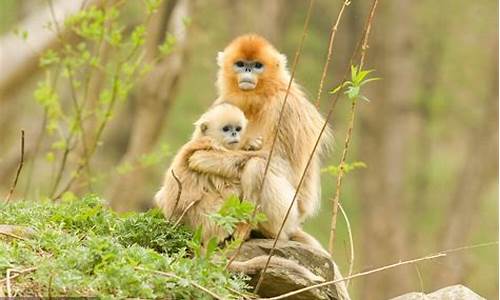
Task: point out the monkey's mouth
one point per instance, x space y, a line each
246 85
233 142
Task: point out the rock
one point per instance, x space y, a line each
454 292
17 231
280 279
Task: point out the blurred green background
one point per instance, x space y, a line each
429 135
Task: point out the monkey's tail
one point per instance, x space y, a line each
256 264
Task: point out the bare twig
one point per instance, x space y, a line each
351 244
9 278
19 168
12 235
420 279
347 143
185 211
179 192
280 118
383 268
311 156
200 287
330 50
391 266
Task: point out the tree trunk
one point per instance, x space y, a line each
152 101
384 136
479 171
17 59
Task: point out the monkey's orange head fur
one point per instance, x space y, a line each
250 65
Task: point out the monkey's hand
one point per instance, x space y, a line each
254 144
242 231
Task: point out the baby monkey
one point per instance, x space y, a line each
217 137
197 183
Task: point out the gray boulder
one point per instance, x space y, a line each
454 292
280 279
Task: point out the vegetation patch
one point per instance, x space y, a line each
78 247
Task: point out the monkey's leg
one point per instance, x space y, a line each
221 163
275 198
309 198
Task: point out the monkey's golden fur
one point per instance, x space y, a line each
204 193
299 129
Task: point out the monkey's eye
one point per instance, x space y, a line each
225 128
258 65
240 64
238 128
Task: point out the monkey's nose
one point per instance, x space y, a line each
233 133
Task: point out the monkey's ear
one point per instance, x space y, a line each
282 60
220 58
203 127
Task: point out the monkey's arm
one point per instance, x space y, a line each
227 163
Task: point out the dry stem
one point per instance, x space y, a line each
268 162
15 236
204 289
347 143
19 168
330 50
8 278
383 268
185 211
179 192
351 244
330 112
401 263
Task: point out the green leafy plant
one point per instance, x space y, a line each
81 248
76 109
334 170
353 86
235 211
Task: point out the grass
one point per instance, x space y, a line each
81 248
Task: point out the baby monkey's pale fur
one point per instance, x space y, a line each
203 192
211 168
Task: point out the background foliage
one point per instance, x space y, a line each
428 137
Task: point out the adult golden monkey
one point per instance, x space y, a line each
253 76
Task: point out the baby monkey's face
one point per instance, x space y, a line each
230 135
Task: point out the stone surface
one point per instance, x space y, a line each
454 292
279 280
16 230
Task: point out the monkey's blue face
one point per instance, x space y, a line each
231 134
248 72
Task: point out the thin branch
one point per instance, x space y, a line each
280 118
351 244
19 168
12 235
401 263
347 143
330 50
185 211
420 279
18 273
8 278
200 287
179 192
383 268
325 124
